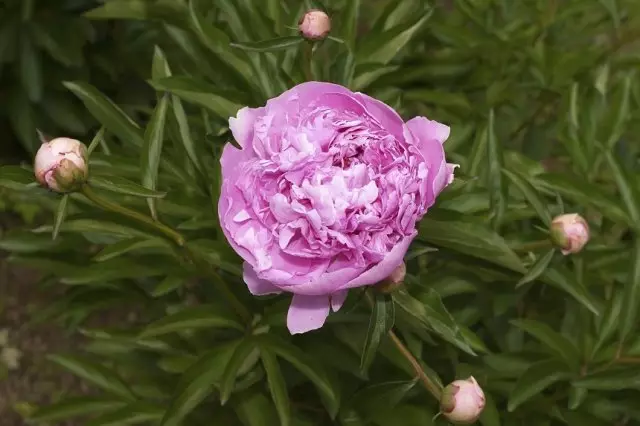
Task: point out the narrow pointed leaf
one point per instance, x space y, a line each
561 278
133 414
127 246
95 373
496 188
349 26
626 186
192 150
553 340
272 45
204 316
97 140
197 383
537 268
277 387
382 48
61 214
107 113
537 378
231 371
124 186
381 321
74 407
326 388
152 150
612 379
631 304
530 194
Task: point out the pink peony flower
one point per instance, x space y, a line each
325 193
570 232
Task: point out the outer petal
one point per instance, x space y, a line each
384 114
424 129
307 313
257 286
383 269
242 125
337 300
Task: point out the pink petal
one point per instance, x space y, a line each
337 300
242 125
307 313
383 269
257 286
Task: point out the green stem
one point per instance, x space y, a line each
172 235
308 54
428 384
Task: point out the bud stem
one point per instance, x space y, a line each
172 235
308 55
433 388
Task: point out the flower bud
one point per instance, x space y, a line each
315 25
462 401
570 232
395 280
61 164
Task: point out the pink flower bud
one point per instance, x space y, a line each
61 164
570 232
462 401
315 25
395 280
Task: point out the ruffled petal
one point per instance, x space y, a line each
257 286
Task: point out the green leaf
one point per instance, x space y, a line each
277 387
582 193
619 114
30 69
152 150
490 415
382 48
127 246
349 17
61 214
375 400
530 194
159 67
612 379
75 407
204 316
169 284
110 270
537 378
193 151
537 268
629 318
124 186
626 186
97 140
132 414
494 175
94 226
381 321
197 383
202 94
232 370
273 45
97 374
255 409
562 279
15 177
471 239
328 391
107 113
611 320
433 315
555 341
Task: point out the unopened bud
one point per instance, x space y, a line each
395 280
61 164
462 401
570 232
315 25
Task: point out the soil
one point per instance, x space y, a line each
34 381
